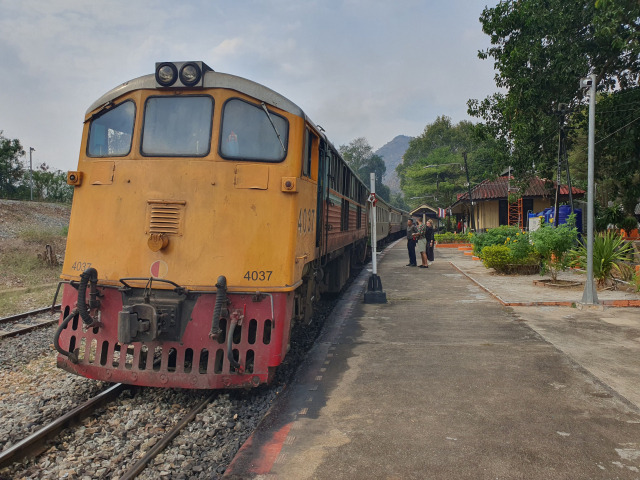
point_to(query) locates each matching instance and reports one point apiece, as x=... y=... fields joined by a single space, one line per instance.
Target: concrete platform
x=445 y=381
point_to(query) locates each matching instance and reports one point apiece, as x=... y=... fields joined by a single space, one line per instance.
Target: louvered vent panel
x=165 y=217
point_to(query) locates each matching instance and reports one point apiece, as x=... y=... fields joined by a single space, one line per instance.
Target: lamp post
x=590 y=297
x=31 y=150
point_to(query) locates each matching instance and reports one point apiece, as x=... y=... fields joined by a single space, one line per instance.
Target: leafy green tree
x=50 y=185
x=540 y=49
x=424 y=173
x=11 y=169
x=360 y=157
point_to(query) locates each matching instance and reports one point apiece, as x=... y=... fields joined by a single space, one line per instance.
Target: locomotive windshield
x=248 y=133
x=177 y=126
x=110 y=133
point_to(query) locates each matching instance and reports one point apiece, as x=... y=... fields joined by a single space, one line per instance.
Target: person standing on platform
x=422 y=243
x=411 y=243
x=430 y=241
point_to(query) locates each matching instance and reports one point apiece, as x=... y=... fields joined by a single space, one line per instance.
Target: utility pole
x=466 y=169
x=31 y=150
x=590 y=297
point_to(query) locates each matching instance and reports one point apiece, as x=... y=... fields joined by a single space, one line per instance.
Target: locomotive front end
x=181 y=267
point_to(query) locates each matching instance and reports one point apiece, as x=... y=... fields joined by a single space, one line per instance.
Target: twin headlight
x=181 y=74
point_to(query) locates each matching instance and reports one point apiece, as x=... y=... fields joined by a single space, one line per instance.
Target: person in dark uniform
x=431 y=241
x=411 y=243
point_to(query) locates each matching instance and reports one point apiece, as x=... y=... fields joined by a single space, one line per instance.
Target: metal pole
x=374 y=293
x=31 y=149
x=374 y=247
x=466 y=169
x=590 y=297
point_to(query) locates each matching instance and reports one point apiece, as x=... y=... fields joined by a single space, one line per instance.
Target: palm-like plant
x=610 y=251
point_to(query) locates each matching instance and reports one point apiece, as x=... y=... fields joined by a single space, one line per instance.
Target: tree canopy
x=540 y=50
x=360 y=157
x=433 y=171
x=15 y=179
x=11 y=169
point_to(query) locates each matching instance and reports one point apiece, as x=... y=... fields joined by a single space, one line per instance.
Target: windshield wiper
x=103 y=109
x=264 y=107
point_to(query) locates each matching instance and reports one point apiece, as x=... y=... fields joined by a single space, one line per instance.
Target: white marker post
x=374 y=293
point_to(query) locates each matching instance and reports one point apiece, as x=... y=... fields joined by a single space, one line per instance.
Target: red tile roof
x=498 y=188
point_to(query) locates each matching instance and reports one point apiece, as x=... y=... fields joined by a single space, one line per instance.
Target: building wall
x=487 y=214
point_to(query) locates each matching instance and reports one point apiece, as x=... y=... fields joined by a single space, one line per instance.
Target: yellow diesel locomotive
x=208 y=214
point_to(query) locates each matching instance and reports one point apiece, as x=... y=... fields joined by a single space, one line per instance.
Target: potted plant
x=628 y=227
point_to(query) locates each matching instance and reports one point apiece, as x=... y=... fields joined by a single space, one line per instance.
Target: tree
x=360 y=157
x=51 y=185
x=442 y=143
x=11 y=170
x=541 y=48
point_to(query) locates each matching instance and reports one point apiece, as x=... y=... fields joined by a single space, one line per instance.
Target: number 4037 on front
x=258 y=275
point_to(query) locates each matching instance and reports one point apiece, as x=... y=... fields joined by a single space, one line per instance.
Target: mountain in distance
x=392 y=153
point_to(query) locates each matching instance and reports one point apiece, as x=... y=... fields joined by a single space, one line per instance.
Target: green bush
x=553 y=245
x=610 y=252
x=496 y=256
x=452 y=237
x=494 y=236
x=627 y=224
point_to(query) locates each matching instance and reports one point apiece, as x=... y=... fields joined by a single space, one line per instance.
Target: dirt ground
x=27 y=279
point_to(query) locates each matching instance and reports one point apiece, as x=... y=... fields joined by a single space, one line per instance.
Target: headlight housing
x=166 y=74
x=190 y=74
x=181 y=74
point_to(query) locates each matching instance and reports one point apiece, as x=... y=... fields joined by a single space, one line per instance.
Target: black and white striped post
x=374 y=293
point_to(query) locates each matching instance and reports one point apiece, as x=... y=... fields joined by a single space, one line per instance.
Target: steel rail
x=20 y=316
x=141 y=464
x=36 y=442
x=27 y=328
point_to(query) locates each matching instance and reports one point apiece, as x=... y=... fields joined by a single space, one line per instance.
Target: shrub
x=452 y=237
x=610 y=252
x=501 y=258
x=553 y=245
x=627 y=224
x=494 y=236
x=496 y=256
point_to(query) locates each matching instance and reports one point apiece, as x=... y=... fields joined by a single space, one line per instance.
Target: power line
x=613 y=133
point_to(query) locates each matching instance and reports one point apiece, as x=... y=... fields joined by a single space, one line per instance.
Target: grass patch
x=24 y=299
x=43 y=236
x=27 y=281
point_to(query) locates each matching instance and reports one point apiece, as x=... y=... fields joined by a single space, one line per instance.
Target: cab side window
x=110 y=133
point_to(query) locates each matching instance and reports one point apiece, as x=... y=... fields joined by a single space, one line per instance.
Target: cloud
x=369 y=68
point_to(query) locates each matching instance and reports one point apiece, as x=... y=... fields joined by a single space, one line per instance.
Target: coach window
x=110 y=132
x=249 y=132
x=177 y=126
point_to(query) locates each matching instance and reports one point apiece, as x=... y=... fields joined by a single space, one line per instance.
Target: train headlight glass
x=166 y=74
x=190 y=74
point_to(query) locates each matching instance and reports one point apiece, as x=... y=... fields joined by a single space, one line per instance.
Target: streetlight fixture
x=31 y=150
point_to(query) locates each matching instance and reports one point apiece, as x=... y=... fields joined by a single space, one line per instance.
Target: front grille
x=165 y=217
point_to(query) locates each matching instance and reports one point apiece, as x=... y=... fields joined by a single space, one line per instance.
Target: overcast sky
x=359 y=68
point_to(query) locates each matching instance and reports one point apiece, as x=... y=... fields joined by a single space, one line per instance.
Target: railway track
x=39 y=441
x=11 y=326
x=36 y=442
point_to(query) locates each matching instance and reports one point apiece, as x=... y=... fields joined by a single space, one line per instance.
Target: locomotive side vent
x=165 y=217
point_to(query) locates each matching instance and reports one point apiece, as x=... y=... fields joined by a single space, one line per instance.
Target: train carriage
x=209 y=212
